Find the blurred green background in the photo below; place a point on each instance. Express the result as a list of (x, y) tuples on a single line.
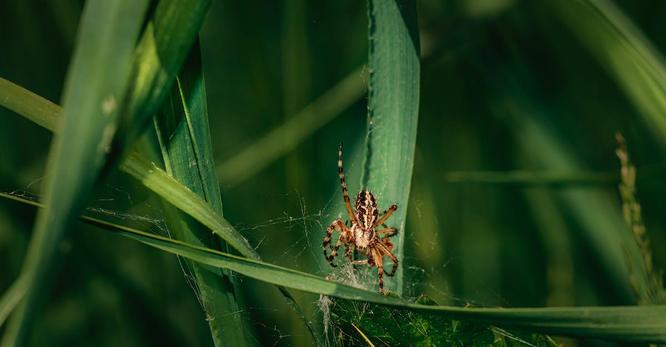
[(514, 197)]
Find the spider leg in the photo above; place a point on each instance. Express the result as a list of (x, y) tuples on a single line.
[(360, 262), (388, 231), (348, 253), (334, 252), (385, 215), (380, 270), (343, 184), (327, 239), (387, 252)]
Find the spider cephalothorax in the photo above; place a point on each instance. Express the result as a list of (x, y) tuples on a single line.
[(363, 234)]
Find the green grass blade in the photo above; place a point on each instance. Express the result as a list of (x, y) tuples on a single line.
[(627, 54), (626, 323), (296, 128), (622, 323), (33, 107), (160, 54), (11, 298), (182, 128), (393, 94), (106, 39), (184, 199), (20, 100), (158, 181), (150, 175)]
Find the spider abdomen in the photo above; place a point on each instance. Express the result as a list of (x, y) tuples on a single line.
[(366, 209)]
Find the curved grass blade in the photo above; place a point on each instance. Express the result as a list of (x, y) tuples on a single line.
[(621, 323), (624, 323), (183, 134), (105, 42), (158, 181), (628, 55), (31, 106), (11, 298), (393, 94)]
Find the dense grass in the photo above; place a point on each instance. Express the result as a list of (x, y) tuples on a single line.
[(498, 145)]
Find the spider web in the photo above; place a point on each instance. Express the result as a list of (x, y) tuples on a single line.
[(304, 230)]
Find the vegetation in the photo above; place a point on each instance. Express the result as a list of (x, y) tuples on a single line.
[(192, 171)]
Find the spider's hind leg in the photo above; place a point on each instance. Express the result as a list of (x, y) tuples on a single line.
[(377, 256), (385, 249), (348, 253), (327, 239)]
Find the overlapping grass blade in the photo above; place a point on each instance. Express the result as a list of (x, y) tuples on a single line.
[(160, 54), (183, 134), (106, 39), (393, 97), (622, 323), (149, 174), (158, 181), (620, 46)]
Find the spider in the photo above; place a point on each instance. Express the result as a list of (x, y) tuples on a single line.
[(363, 234)]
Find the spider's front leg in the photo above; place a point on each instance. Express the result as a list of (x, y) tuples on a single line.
[(388, 232), (327, 239), (385, 216)]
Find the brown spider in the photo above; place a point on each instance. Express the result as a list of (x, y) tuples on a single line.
[(362, 235)]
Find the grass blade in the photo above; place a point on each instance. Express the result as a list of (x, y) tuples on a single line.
[(621, 323), (106, 39), (20, 100), (160, 54), (184, 199), (150, 175), (183, 133), (393, 94), (158, 181), (11, 298)]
